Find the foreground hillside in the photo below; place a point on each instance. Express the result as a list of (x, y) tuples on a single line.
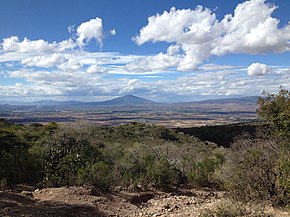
[(134, 170), (99, 170)]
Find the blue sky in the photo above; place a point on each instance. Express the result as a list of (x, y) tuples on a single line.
[(182, 50)]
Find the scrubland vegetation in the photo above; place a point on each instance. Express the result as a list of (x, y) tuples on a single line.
[(136, 155)]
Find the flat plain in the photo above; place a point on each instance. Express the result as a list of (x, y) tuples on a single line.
[(129, 109)]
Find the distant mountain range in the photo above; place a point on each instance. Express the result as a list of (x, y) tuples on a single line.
[(240, 100), (131, 100), (128, 100)]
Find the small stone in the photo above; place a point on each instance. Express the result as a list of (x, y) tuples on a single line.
[(6, 209), (166, 206), (27, 193), (118, 188), (132, 188)]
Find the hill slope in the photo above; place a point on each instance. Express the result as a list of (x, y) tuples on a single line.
[(240, 100), (128, 100)]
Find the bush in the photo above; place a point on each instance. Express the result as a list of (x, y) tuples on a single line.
[(275, 108), (283, 178), (249, 172), (57, 155), (257, 170), (259, 167), (97, 174), (3, 184), (147, 167), (202, 173), (227, 208), (163, 175)]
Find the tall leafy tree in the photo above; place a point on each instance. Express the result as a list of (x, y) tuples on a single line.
[(275, 108)]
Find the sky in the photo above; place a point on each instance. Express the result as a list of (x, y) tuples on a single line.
[(162, 50)]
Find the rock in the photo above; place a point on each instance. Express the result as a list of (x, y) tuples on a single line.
[(134, 188), (118, 188), (166, 206), (141, 187), (171, 209), (27, 193)]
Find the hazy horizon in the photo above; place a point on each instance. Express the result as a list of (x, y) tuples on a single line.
[(21, 101)]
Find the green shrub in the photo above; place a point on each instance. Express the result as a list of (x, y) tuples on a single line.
[(58, 155), (227, 208), (249, 172), (257, 169), (147, 166), (283, 179), (97, 174), (275, 108), (3, 184), (203, 172), (67, 169), (162, 174)]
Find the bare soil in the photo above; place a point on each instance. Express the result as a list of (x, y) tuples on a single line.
[(81, 201)]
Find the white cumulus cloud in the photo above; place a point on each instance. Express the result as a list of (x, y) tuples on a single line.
[(113, 32), (197, 34), (96, 69), (86, 31), (213, 67), (44, 61), (72, 65), (181, 26), (257, 69), (13, 44), (92, 29), (158, 62)]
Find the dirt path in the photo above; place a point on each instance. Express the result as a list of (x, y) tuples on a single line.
[(79, 201)]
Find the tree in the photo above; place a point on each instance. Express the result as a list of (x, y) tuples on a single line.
[(260, 168), (275, 108)]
